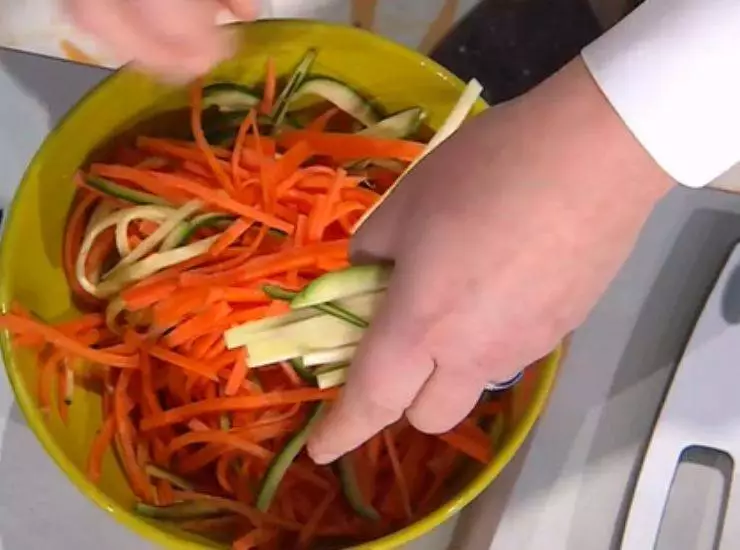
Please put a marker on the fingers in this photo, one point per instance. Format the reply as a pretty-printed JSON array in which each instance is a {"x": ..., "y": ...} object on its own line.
[
  {"x": 174, "y": 38},
  {"x": 246, "y": 10},
  {"x": 185, "y": 30},
  {"x": 389, "y": 369},
  {"x": 379, "y": 237},
  {"x": 445, "y": 400},
  {"x": 376, "y": 239}
]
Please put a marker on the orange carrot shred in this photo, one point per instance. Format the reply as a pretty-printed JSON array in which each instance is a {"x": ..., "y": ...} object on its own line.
[
  {"x": 197, "y": 325},
  {"x": 273, "y": 399},
  {"x": 100, "y": 444},
  {"x": 398, "y": 472},
  {"x": 140, "y": 297},
  {"x": 236, "y": 157},
  {"x": 172, "y": 394},
  {"x": 268, "y": 97},
  {"x": 319, "y": 123},
  {"x": 309, "y": 530},
  {"x": 196, "y": 126},
  {"x": 228, "y": 237},
  {"x": 238, "y": 374},
  {"x": 19, "y": 325},
  {"x": 476, "y": 445},
  {"x": 125, "y": 438},
  {"x": 352, "y": 146}
]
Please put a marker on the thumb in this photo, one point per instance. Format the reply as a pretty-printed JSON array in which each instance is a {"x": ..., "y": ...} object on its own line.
[
  {"x": 378, "y": 237},
  {"x": 388, "y": 370}
]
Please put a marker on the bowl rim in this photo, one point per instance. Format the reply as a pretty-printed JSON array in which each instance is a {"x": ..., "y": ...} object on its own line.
[{"x": 548, "y": 367}]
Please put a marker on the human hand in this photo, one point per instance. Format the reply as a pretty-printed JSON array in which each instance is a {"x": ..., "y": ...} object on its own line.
[
  {"x": 503, "y": 240},
  {"x": 176, "y": 39}
]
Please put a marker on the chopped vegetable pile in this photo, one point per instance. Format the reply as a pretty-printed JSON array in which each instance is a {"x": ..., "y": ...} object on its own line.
[{"x": 220, "y": 314}]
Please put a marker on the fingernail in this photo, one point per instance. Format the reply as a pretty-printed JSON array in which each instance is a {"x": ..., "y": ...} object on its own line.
[
  {"x": 324, "y": 459},
  {"x": 319, "y": 456}
]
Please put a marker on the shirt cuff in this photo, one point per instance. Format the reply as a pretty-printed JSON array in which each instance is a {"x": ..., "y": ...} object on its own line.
[{"x": 672, "y": 73}]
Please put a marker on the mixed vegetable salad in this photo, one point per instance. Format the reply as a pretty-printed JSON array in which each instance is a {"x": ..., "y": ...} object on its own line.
[{"x": 221, "y": 315}]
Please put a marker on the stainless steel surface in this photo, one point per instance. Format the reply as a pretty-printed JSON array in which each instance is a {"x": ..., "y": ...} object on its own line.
[{"x": 701, "y": 411}]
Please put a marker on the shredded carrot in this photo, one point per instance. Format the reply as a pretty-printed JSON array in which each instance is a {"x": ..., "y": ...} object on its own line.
[
  {"x": 238, "y": 374},
  {"x": 217, "y": 436},
  {"x": 308, "y": 532},
  {"x": 490, "y": 408},
  {"x": 286, "y": 167},
  {"x": 100, "y": 444},
  {"x": 373, "y": 450},
  {"x": 268, "y": 97},
  {"x": 254, "y": 516},
  {"x": 320, "y": 122},
  {"x": 267, "y": 265},
  {"x": 230, "y": 236},
  {"x": 321, "y": 213},
  {"x": 203, "y": 343},
  {"x": 84, "y": 324},
  {"x": 20, "y": 325},
  {"x": 470, "y": 440},
  {"x": 125, "y": 438},
  {"x": 173, "y": 308},
  {"x": 275, "y": 209},
  {"x": 196, "y": 126},
  {"x": 197, "y": 325},
  {"x": 62, "y": 405},
  {"x": 398, "y": 472},
  {"x": 352, "y": 146},
  {"x": 179, "y": 188},
  {"x": 179, "y": 150},
  {"x": 273, "y": 399},
  {"x": 140, "y": 297},
  {"x": 46, "y": 379},
  {"x": 254, "y": 538},
  {"x": 72, "y": 240},
  {"x": 190, "y": 365},
  {"x": 198, "y": 425},
  {"x": 236, "y": 156}
]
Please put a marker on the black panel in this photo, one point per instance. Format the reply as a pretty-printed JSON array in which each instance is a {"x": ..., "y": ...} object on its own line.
[{"x": 512, "y": 45}]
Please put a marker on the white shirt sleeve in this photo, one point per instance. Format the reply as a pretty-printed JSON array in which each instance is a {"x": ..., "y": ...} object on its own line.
[{"x": 671, "y": 70}]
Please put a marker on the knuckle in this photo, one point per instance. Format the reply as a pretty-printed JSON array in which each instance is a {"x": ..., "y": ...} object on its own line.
[{"x": 378, "y": 410}]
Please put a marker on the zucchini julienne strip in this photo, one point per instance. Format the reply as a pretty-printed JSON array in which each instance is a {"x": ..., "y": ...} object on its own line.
[
  {"x": 283, "y": 460},
  {"x": 300, "y": 73}
]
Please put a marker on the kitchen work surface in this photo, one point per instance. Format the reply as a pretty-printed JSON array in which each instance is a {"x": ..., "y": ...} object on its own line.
[{"x": 571, "y": 485}]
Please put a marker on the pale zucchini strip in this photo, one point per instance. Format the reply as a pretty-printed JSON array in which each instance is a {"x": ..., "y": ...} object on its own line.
[
  {"x": 122, "y": 243},
  {"x": 151, "y": 264},
  {"x": 342, "y": 354},
  {"x": 153, "y": 240},
  {"x": 451, "y": 124},
  {"x": 333, "y": 375},
  {"x": 94, "y": 232}
]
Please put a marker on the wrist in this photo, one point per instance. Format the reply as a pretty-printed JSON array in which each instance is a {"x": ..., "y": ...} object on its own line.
[{"x": 592, "y": 138}]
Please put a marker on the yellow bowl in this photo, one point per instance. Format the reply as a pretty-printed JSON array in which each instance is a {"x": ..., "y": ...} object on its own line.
[{"x": 30, "y": 253}]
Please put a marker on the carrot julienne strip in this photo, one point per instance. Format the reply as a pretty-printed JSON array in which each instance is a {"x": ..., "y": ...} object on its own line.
[
  {"x": 245, "y": 403},
  {"x": 20, "y": 325}
]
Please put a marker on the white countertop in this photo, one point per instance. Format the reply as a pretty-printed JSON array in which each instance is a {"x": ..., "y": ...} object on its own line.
[{"x": 568, "y": 489}]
